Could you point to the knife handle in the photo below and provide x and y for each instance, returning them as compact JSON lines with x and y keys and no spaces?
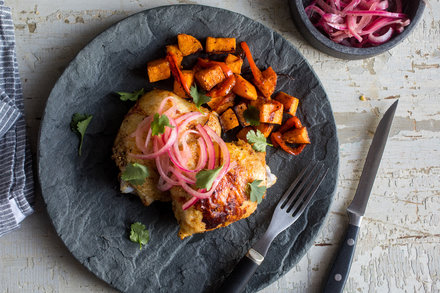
{"x":243,"y":271}
{"x":341,"y":266}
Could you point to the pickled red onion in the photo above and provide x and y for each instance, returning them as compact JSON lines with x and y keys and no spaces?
{"x":168,"y":144}
{"x":226,"y":164}
{"x":171,"y":161}
{"x":190,"y":203}
{"x":163,"y":103}
{"x":209,"y":146}
{"x":138,"y":133}
{"x":358,"y":23}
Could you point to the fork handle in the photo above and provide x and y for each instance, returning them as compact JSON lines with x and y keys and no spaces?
{"x":243,"y":271}
{"x":341,"y":266}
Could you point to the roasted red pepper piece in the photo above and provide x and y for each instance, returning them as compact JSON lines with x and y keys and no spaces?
{"x":265,"y":81}
{"x":177,"y":73}
{"x":277,"y":140}
{"x":205,"y":63}
{"x":292,"y":122}
{"x":256,"y":72}
{"x":224,"y":88}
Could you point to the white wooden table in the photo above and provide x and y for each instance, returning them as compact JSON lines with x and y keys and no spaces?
{"x":399,"y":245}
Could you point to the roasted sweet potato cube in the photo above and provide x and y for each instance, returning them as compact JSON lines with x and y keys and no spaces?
{"x":258,"y":102}
{"x":188,"y":75}
{"x":271,"y":112}
{"x":265,"y":128}
{"x":297,"y":135}
{"x":234,"y":63}
{"x":290,"y":103}
{"x":229,"y":120}
{"x":215,"y":101}
{"x":210,"y":77}
{"x":231,"y":58}
{"x":225,"y":103}
{"x":243,"y":132}
{"x":188,"y":44}
{"x":220,"y":45}
{"x":175,"y":49}
{"x":239,"y":110}
{"x":158,"y":70}
{"x":244,"y":88}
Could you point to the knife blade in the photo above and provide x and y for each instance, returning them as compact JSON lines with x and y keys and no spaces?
{"x":356,"y":210}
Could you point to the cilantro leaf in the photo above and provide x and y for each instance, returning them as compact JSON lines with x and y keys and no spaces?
{"x":135,"y":173}
{"x":159,"y":123}
{"x":78,"y":125}
{"x":256,"y":191}
{"x":257,"y":139}
{"x":198,"y":98}
{"x":134,"y":96}
{"x":139,"y":234}
{"x":252,"y":115}
{"x":205,"y":178}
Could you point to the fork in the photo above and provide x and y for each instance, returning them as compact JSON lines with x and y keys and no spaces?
{"x":290,"y":207}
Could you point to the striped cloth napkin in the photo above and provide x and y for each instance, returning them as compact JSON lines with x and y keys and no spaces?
{"x":16,"y":181}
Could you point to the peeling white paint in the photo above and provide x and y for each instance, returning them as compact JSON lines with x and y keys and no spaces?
{"x":399,"y":242}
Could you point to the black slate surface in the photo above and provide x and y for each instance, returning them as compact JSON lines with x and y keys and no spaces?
{"x":81,"y":193}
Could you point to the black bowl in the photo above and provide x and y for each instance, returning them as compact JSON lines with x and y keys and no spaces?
{"x":413,"y":8}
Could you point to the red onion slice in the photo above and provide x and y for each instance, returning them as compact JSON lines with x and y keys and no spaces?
{"x":376,"y":13}
{"x":189,"y":203}
{"x":209,"y":146}
{"x":163,"y":104}
{"x":382,"y":38}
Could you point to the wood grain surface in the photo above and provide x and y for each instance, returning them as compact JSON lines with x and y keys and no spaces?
{"x":399,"y":242}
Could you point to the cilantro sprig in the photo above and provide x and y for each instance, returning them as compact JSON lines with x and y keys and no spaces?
{"x":159,"y":123}
{"x":135,"y":173}
{"x":198,"y":98}
{"x":252,"y":115}
{"x":257,"y":140}
{"x":205,"y":178}
{"x":78,"y":125}
{"x":139,"y":234}
{"x":134,"y":96}
{"x":256,"y":191}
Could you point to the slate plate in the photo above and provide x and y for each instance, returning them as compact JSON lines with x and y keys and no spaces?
{"x":81,"y":193}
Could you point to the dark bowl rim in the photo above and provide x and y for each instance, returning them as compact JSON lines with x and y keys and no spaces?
{"x":341,"y":50}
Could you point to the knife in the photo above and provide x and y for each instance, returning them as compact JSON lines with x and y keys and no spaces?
{"x":341,"y":266}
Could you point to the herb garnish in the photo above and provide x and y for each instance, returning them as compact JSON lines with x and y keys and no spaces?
{"x":78,"y":125}
{"x":159,"y":123}
{"x":258,"y":141}
{"x":198,"y":98}
{"x":256,"y":191}
{"x":134,"y":96}
{"x":139,"y":234}
{"x":205,"y":178}
{"x":135,"y":173}
{"x":252,"y":115}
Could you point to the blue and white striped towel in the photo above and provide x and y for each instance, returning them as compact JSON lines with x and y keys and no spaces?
{"x":16,"y":181}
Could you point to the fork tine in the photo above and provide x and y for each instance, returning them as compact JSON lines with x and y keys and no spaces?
{"x":286,"y":195}
{"x":297,"y":212}
{"x":294,"y":196}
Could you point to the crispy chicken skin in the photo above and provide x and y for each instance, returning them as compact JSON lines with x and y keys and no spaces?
{"x":230,"y":200}
{"x":125,"y":144}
